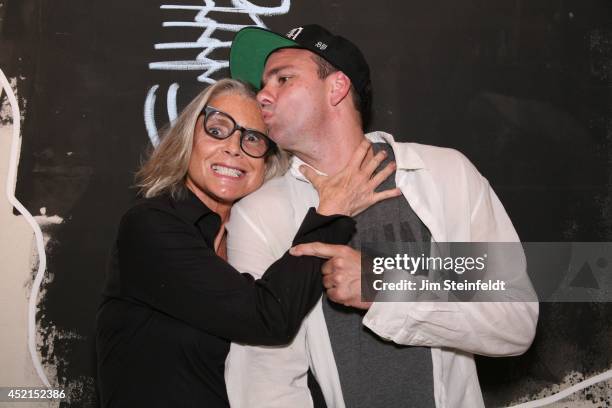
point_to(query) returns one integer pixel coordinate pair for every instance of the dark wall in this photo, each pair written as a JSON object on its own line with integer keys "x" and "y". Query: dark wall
{"x": 521, "y": 87}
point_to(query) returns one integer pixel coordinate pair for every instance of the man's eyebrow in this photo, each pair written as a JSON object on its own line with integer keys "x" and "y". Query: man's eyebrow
{"x": 271, "y": 73}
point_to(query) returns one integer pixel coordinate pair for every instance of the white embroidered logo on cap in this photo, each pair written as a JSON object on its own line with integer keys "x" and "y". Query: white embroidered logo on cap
{"x": 294, "y": 33}
{"x": 321, "y": 45}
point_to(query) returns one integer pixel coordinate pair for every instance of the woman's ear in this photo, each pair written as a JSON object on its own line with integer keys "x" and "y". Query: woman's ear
{"x": 340, "y": 87}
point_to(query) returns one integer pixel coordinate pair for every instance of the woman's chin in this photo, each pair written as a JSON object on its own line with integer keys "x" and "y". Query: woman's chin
{"x": 229, "y": 192}
{"x": 229, "y": 196}
{"x": 222, "y": 191}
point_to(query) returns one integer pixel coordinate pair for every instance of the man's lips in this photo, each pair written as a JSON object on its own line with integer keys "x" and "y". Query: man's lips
{"x": 266, "y": 115}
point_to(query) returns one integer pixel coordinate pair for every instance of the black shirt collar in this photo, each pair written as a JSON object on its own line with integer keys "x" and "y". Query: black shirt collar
{"x": 194, "y": 211}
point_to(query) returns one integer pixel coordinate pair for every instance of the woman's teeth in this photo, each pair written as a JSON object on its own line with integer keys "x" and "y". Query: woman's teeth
{"x": 227, "y": 171}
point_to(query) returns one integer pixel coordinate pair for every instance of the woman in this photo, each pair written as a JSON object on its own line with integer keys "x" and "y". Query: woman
{"x": 172, "y": 304}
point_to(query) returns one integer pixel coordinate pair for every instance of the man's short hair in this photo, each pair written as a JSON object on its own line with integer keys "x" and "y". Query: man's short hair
{"x": 363, "y": 105}
{"x": 252, "y": 46}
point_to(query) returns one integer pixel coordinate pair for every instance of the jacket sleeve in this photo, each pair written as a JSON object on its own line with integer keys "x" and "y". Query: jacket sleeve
{"x": 501, "y": 328}
{"x": 166, "y": 265}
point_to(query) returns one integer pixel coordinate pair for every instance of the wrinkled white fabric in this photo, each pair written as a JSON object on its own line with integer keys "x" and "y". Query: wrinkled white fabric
{"x": 457, "y": 205}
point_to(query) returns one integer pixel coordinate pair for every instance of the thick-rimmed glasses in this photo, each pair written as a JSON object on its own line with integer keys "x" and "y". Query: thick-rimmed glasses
{"x": 220, "y": 125}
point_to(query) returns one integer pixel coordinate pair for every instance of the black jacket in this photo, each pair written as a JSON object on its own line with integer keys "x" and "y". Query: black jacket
{"x": 171, "y": 306}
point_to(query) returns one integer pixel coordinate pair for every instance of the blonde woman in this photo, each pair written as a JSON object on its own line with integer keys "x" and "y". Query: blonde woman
{"x": 172, "y": 304}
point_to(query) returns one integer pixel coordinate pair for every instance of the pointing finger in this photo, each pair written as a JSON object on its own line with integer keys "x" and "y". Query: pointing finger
{"x": 317, "y": 249}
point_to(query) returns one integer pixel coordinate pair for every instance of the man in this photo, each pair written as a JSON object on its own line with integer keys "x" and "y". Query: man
{"x": 315, "y": 95}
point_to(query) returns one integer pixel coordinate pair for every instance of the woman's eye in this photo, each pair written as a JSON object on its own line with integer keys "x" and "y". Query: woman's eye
{"x": 214, "y": 131}
{"x": 251, "y": 138}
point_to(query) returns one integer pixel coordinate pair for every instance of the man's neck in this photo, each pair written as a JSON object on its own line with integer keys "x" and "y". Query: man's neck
{"x": 334, "y": 150}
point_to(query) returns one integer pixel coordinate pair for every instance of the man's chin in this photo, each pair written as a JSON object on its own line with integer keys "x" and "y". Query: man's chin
{"x": 274, "y": 135}
{"x": 280, "y": 135}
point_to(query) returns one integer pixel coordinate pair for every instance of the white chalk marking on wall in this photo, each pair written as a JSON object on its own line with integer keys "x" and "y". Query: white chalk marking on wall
{"x": 38, "y": 235}
{"x": 44, "y": 220}
{"x": 210, "y": 66}
{"x": 149, "y": 116}
{"x": 204, "y": 24}
{"x": 606, "y": 375}
{"x": 184, "y": 45}
{"x": 206, "y": 42}
{"x": 171, "y": 101}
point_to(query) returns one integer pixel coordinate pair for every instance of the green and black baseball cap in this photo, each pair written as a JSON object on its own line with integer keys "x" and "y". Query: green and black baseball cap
{"x": 253, "y": 45}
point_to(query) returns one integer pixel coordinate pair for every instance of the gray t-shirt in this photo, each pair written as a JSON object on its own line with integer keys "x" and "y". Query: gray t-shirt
{"x": 374, "y": 372}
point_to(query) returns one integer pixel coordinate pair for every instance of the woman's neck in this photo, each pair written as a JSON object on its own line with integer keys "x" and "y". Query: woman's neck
{"x": 220, "y": 208}
{"x": 221, "y": 242}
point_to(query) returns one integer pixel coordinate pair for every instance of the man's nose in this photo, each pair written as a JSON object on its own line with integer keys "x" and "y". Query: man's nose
{"x": 264, "y": 96}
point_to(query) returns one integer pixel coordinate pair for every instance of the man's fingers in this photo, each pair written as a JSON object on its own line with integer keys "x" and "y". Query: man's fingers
{"x": 383, "y": 174}
{"x": 318, "y": 249}
{"x": 383, "y": 195}
{"x": 359, "y": 155}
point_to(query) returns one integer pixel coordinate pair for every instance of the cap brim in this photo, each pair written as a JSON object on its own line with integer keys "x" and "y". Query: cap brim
{"x": 250, "y": 50}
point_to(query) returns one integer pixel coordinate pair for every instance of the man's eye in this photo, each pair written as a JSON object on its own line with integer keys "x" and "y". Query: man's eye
{"x": 283, "y": 79}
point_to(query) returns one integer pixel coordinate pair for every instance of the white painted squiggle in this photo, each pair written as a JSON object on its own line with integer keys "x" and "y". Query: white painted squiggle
{"x": 171, "y": 102}
{"x": 38, "y": 235}
{"x": 149, "y": 116}
{"x": 206, "y": 42}
{"x": 607, "y": 375}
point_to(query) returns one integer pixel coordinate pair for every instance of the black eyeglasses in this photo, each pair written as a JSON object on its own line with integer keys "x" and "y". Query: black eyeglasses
{"x": 220, "y": 125}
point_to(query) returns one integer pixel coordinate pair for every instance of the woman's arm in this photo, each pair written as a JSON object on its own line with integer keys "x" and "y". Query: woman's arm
{"x": 165, "y": 264}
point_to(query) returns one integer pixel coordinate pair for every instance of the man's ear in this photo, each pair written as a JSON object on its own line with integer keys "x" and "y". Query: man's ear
{"x": 340, "y": 87}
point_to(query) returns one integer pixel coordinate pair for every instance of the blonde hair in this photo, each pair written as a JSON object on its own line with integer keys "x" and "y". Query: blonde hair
{"x": 166, "y": 168}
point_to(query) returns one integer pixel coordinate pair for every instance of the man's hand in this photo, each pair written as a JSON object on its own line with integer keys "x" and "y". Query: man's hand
{"x": 353, "y": 189}
{"x": 341, "y": 273}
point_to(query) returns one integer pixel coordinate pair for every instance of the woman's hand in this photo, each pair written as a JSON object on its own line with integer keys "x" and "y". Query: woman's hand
{"x": 351, "y": 191}
{"x": 341, "y": 272}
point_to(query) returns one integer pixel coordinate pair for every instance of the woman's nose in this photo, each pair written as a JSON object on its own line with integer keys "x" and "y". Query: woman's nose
{"x": 232, "y": 143}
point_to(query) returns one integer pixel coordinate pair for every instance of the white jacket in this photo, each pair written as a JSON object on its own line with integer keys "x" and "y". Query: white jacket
{"x": 457, "y": 205}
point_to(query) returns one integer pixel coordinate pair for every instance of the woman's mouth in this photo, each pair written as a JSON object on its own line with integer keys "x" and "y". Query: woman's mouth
{"x": 227, "y": 171}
